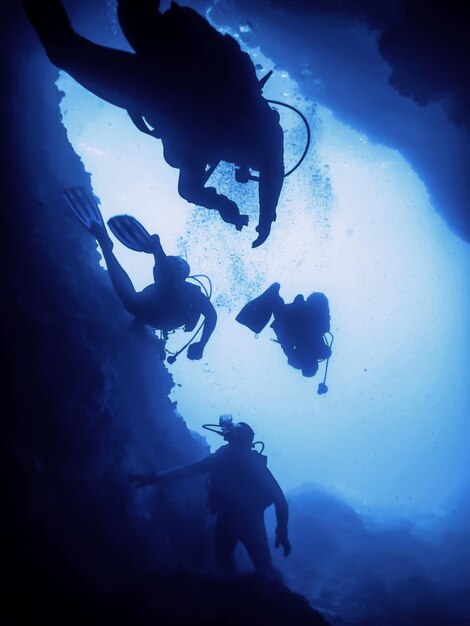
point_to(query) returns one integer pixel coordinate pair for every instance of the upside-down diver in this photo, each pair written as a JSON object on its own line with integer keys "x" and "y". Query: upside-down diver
{"x": 188, "y": 85}
{"x": 169, "y": 303}
{"x": 301, "y": 327}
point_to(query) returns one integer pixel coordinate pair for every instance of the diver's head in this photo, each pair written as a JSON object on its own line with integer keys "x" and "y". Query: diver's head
{"x": 178, "y": 267}
{"x": 238, "y": 434}
{"x": 242, "y": 435}
{"x": 310, "y": 369}
{"x": 317, "y": 298}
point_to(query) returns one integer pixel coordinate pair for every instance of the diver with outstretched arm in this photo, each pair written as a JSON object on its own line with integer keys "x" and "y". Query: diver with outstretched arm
{"x": 167, "y": 304}
{"x": 241, "y": 487}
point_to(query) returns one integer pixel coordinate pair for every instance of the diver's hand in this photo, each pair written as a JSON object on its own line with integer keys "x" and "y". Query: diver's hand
{"x": 282, "y": 540}
{"x": 195, "y": 351}
{"x": 143, "y": 481}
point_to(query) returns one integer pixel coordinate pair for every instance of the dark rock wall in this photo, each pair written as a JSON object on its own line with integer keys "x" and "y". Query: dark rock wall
{"x": 85, "y": 398}
{"x": 88, "y": 392}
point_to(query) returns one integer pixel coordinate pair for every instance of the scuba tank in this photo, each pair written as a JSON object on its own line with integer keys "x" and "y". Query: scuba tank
{"x": 320, "y": 309}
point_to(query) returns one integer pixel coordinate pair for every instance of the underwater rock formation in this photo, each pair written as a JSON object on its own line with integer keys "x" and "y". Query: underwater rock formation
{"x": 87, "y": 397}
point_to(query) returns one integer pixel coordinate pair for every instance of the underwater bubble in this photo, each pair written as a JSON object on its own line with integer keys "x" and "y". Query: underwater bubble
{"x": 245, "y": 28}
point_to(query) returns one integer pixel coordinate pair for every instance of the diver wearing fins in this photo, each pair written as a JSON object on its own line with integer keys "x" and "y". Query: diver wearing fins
{"x": 186, "y": 84}
{"x": 169, "y": 303}
{"x": 301, "y": 327}
{"x": 241, "y": 487}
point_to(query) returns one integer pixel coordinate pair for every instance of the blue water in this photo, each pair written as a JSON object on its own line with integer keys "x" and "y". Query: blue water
{"x": 355, "y": 222}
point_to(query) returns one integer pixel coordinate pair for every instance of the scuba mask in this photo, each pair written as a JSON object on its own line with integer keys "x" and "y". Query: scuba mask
{"x": 234, "y": 431}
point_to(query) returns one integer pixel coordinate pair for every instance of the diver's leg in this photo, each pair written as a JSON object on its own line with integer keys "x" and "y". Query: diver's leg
{"x": 191, "y": 188}
{"x": 110, "y": 74}
{"x": 140, "y": 21}
{"x": 120, "y": 280}
{"x": 225, "y": 540}
{"x": 271, "y": 176}
{"x": 255, "y": 540}
{"x": 275, "y": 300}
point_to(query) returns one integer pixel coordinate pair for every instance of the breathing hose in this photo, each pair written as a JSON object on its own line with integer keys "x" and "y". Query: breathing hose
{"x": 208, "y": 292}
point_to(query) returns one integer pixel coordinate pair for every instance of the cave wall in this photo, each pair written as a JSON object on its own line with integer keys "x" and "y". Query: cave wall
{"x": 86, "y": 390}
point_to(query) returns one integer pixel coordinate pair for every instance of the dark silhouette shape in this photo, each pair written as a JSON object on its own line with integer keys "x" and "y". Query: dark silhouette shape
{"x": 171, "y": 302}
{"x": 300, "y": 327}
{"x": 188, "y": 85}
{"x": 241, "y": 487}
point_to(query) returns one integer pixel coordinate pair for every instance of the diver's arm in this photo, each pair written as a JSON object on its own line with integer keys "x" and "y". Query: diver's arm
{"x": 195, "y": 350}
{"x": 175, "y": 473}
{"x": 160, "y": 257}
{"x": 156, "y": 249}
{"x": 271, "y": 178}
{"x": 282, "y": 512}
{"x": 282, "y": 516}
{"x": 183, "y": 471}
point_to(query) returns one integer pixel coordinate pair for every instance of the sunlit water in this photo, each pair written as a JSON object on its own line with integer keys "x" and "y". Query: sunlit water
{"x": 354, "y": 222}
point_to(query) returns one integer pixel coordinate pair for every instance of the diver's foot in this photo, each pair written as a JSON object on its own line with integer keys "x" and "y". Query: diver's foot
{"x": 98, "y": 230}
{"x": 271, "y": 574}
{"x": 151, "y": 245}
{"x": 100, "y": 233}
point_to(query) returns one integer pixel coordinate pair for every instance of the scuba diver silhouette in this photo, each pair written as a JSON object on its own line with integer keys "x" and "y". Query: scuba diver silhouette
{"x": 300, "y": 327}
{"x": 186, "y": 84}
{"x": 169, "y": 303}
{"x": 241, "y": 487}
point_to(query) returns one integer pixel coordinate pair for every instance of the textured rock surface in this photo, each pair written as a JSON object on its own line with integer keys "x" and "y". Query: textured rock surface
{"x": 87, "y": 404}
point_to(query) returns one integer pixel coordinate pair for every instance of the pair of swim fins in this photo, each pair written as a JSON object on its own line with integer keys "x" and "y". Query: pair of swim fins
{"x": 125, "y": 228}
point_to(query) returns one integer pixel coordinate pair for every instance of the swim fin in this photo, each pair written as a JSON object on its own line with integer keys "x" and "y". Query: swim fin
{"x": 257, "y": 313}
{"x": 130, "y": 232}
{"x": 83, "y": 206}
